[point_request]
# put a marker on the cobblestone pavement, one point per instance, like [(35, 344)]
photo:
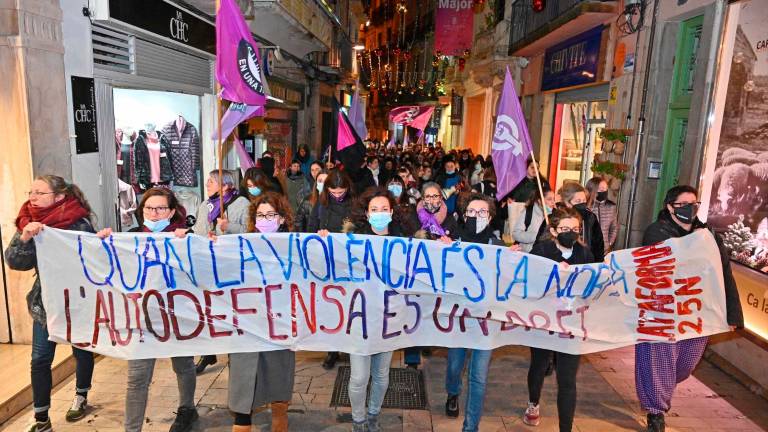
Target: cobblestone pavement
[(710, 401)]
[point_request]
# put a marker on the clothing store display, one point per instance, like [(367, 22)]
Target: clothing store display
[(143, 164), (153, 147), (190, 201), (126, 197), (184, 139)]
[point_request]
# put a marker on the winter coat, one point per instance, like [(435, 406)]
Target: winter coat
[(609, 225), (366, 180), (549, 249), (236, 212), (301, 217), (467, 234), (143, 170), (526, 229), (23, 256), (331, 217), (449, 183), (666, 228), (296, 189), (185, 152), (487, 188), (525, 189), (406, 219)]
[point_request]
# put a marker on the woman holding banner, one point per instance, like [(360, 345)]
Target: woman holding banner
[(260, 378), (563, 245), (220, 216), (436, 222), (373, 216), (52, 203), (659, 367), (329, 215), (477, 212), (159, 212)]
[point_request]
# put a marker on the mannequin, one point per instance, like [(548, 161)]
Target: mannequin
[(185, 148), (153, 162)]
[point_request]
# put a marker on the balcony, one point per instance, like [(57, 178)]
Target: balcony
[(532, 32), (298, 26)]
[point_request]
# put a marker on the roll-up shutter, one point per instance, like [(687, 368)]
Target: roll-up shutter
[(593, 93)]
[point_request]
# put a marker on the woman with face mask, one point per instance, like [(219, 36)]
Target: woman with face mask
[(574, 196), (373, 215), (477, 212), (659, 367), (436, 222), (527, 225), (159, 212), (57, 204), (263, 378), (564, 246), (329, 215), (255, 183), (476, 171), (605, 210)]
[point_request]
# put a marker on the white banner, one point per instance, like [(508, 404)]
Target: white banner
[(144, 296)]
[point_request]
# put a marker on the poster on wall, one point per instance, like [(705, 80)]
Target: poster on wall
[(454, 23), (739, 203)]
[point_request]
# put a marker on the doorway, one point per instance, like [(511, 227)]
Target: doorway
[(574, 140)]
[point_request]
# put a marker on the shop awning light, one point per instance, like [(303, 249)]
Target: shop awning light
[(278, 100)]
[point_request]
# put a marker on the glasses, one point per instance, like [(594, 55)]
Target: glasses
[(483, 213), (683, 204), (36, 193), (156, 210), (432, 197), (567, 230), (266, 216)]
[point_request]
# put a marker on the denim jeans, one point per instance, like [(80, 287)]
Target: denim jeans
[(478, 376), (140, 376), (362, 367), (43, 351)]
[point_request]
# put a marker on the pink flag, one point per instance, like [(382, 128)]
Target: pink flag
[(511, 142), (245, 159), (345, 137), (357, 114), (415, 116), (236, 114), (238, 62)]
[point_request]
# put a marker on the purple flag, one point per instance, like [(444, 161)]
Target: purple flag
[(511, 142), (357, 114), (236, 114), (238, 62)]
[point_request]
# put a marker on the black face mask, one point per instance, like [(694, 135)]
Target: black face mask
[(602, 196), (567, 239), (685, 213), (581, 207)]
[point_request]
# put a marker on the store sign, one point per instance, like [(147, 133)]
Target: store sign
[(165, 19), (573, 61), (84, 114), (457, 109)]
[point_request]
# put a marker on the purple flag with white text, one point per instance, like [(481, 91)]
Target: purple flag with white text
[(357, 114), (511, 145), (236, 114), (238, 61)]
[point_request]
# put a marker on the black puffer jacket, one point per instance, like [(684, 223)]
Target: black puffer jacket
[(143, 169), (666, 228), (549, 249), (331, 217), (23, 256)]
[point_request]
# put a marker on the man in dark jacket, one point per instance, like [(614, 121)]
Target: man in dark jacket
[(659, 367), (296, 185), (371, 175)]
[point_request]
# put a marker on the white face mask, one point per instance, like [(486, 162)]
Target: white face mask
[(482, 223)]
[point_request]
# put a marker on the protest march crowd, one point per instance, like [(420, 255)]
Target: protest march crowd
[(412, 191)]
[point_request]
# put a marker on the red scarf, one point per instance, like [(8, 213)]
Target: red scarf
[(62, 214)]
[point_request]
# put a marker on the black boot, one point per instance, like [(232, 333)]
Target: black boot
[(330, 360), (452, 406), (185, 419), (655, 422), (204, 362)]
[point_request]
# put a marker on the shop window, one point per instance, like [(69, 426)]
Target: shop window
[(157, 143), (576, 140)]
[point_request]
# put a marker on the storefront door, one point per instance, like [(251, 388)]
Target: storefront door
[(575, 139)]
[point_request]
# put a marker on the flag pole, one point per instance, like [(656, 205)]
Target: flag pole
[(220, 143), (541, 190)]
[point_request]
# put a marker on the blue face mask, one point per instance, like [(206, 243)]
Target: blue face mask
[(380, 221), (547, 209), (396, 189), (450, 172), (157, 226), (255, 191)]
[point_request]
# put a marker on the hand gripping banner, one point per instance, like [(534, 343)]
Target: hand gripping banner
[(136, 296)]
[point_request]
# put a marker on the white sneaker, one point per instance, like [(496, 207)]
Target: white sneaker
[(531, 416)]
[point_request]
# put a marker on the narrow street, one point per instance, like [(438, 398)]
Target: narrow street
[(708, 402)]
